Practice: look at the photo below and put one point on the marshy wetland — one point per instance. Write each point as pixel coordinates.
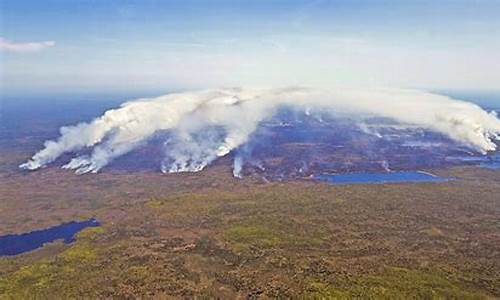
(247, 238)
(211, 235)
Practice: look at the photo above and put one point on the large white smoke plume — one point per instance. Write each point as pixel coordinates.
(205, 125)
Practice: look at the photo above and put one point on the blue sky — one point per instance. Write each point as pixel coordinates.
(54, 46)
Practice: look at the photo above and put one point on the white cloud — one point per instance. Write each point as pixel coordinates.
(6, 45)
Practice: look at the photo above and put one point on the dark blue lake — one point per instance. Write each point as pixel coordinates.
(13, 244)
(493, 162)
(486, 161)
(490, 165)
(389, 177)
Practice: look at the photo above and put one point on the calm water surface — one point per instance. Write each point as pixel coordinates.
(389, 177)
(13, 244)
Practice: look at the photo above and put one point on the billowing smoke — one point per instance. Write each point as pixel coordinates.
(238, 166)
(205, 125)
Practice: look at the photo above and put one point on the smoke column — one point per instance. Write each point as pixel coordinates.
(204, 125)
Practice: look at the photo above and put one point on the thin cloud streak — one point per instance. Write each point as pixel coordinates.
(10, 46)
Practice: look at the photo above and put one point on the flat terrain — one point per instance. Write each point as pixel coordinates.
(210, 235)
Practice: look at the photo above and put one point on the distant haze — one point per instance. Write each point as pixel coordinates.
(78, 46)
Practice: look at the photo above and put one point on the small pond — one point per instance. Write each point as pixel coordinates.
(13, 244)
